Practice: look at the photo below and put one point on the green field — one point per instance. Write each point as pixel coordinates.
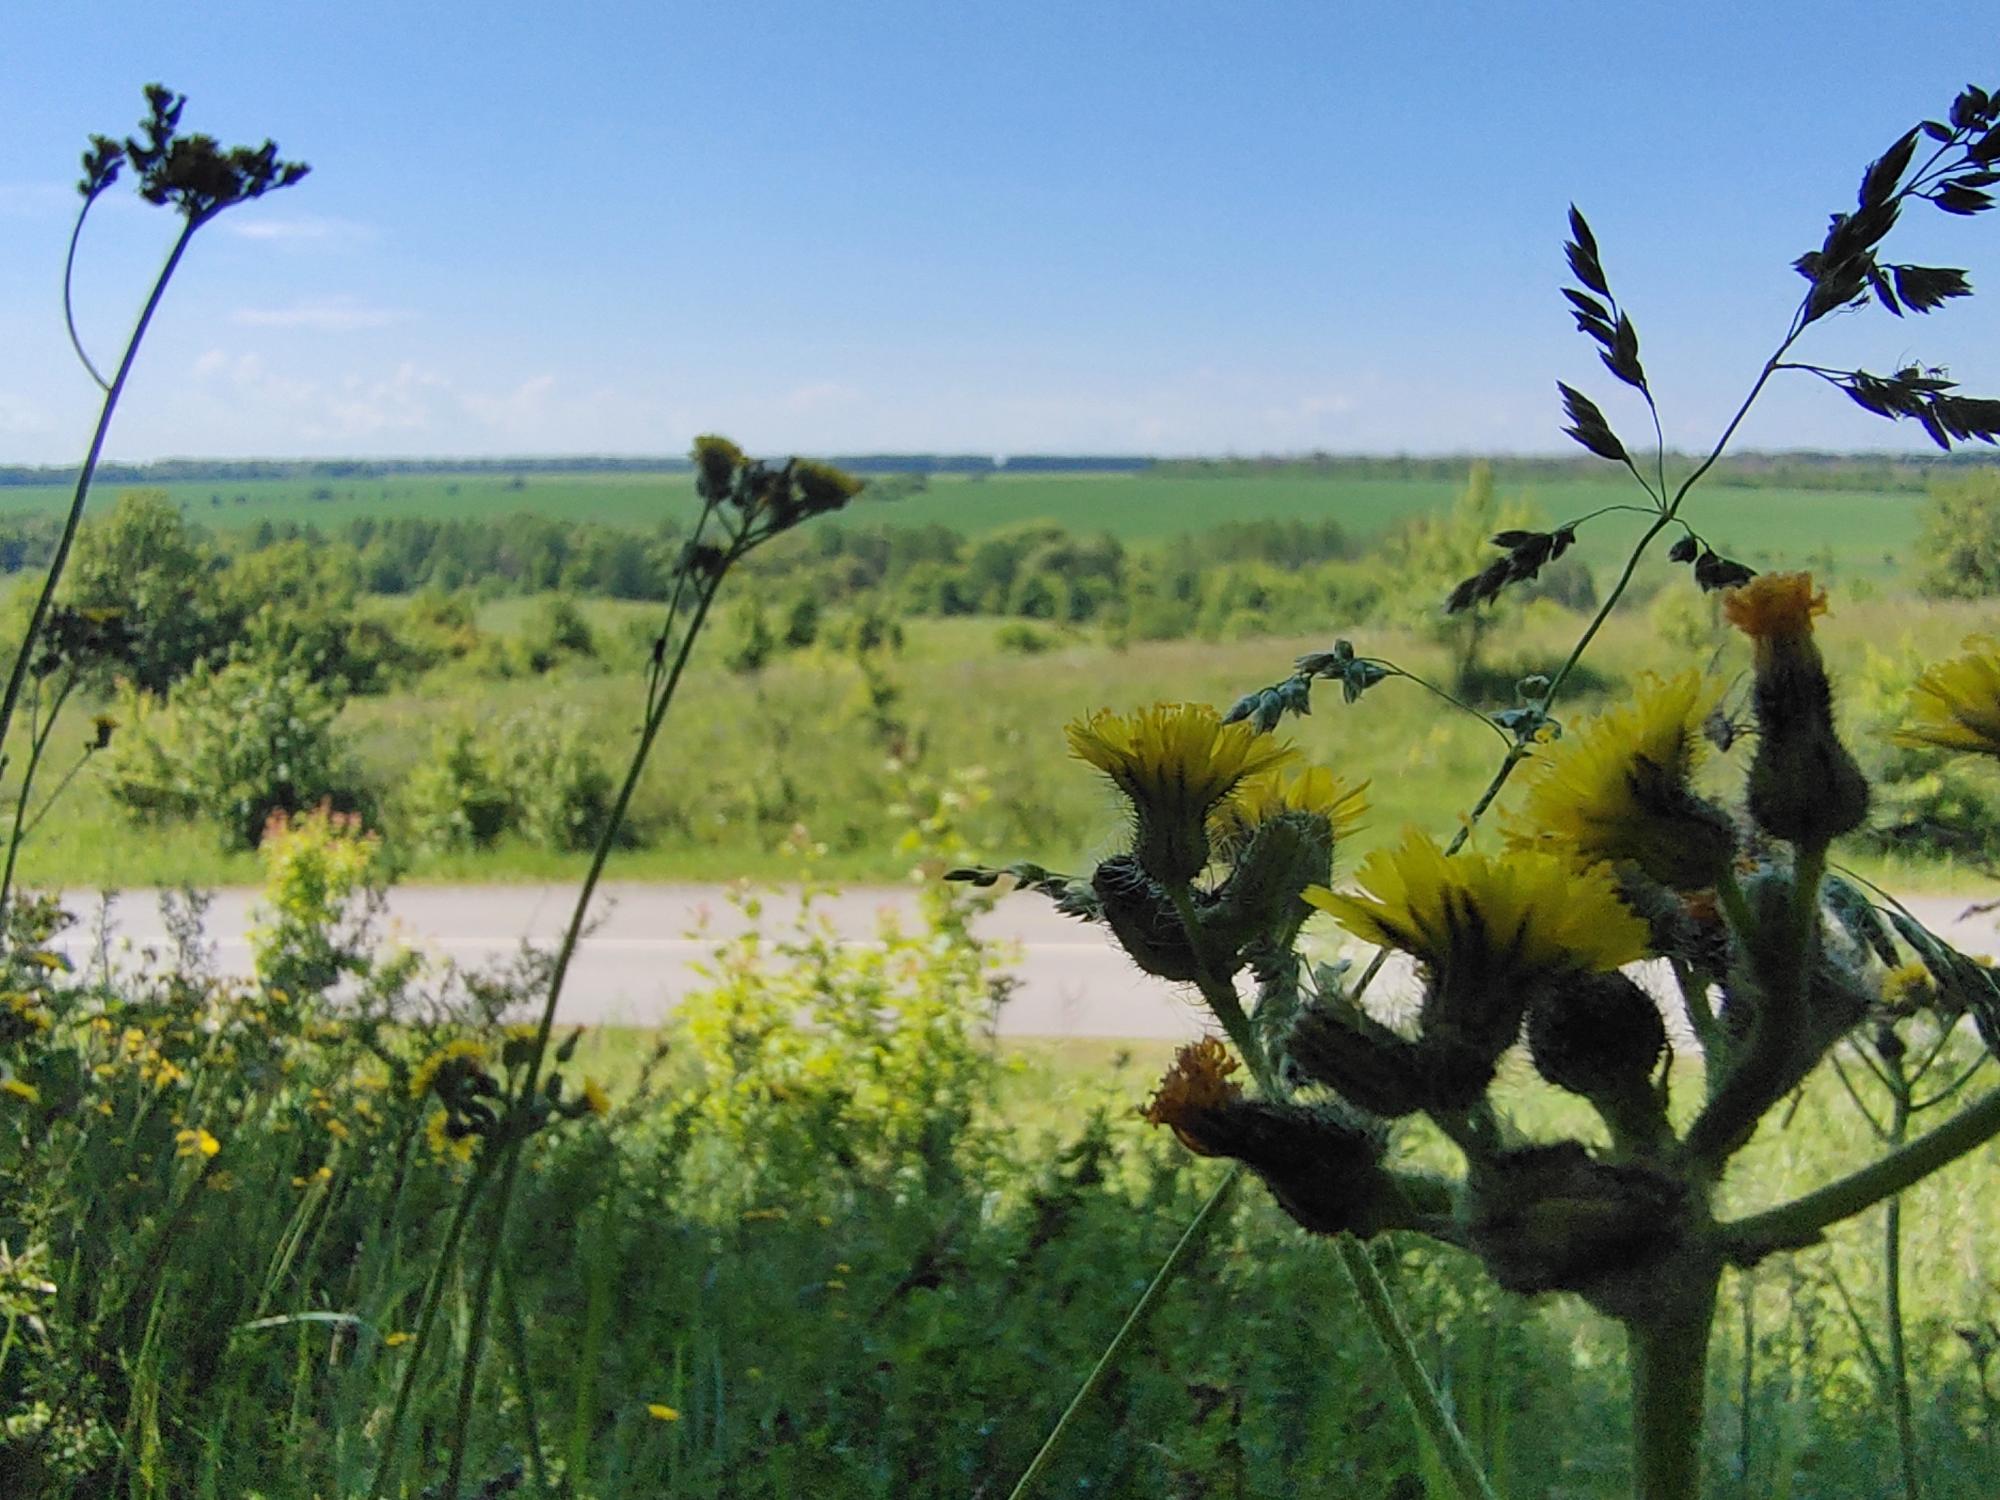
(745, 759)
(1862, 533)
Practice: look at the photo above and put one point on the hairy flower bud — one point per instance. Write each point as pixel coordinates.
(1804, 786)
(1363, 1061)
(1598, 1035)
(1143, 920)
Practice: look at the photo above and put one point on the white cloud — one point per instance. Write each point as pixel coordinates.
(37, 200)
(303, 229)
(18, 417)
(329, 315)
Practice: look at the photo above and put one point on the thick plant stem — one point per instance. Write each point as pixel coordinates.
(1425, 1404)
(1800, 1223)
(1668, 1356)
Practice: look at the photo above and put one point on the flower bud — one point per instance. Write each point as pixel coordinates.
(1143, 920)
(1552, 1218)
(1598, 1035)
(1363, 1061)
(1804, 786)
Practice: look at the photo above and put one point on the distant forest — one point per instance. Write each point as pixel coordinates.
(1800, 470)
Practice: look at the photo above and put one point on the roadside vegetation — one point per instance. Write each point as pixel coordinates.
(358, 1223)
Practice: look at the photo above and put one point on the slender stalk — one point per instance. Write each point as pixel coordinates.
(1669, 1360)
(1169, 1269)
(510, 1163)
(18, 676)
(1892, 1295)
(1747, 1386)
(426, 1321)
(1425, 1404)
(39, 737)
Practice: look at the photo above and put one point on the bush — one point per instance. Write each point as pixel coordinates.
(244, 741)
(562, 792)
(1958, 554)
(456, 799)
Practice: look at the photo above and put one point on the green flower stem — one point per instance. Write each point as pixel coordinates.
(385, 1460)
(1801, 1222)
(10, 701)
(1669, 1361)
(1430, 1410)
(38, 737)
(1169, 1269)
(1425, 1404)
(509, 1171)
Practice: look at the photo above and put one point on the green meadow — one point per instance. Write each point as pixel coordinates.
(1864, 533)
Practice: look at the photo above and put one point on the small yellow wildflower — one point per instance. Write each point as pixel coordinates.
(1510, 918)
(1956, 704)
(1618, 789)
(1175, 762)
(659, 1411)
(444, 1145)
(195, 1142)
(23, 1091)
(461, 1056)
(397, 1339)
(594, 1098)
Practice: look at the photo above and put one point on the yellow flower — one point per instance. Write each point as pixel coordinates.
(594, 1098)
(1956, 704)
(1774, 608)
(24, 1091)
(1314, 790)
(1906, 982)
(1175, 762)
(659, 1411)
(461, 1056)
(195, 1142)
(1509, 918)
(397, 1339)
(444, 1145)
(1618, 789)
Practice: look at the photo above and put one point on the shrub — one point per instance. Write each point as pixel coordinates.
(457, 799)
(1958, 554)
(243, 741)
(561, 790)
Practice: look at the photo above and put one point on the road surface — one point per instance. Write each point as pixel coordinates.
(639, 960)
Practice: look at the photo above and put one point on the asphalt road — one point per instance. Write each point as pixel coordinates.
(639, 960)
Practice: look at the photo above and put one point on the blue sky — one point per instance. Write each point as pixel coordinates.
(1073, 227)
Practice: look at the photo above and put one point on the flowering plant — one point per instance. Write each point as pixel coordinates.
(1616, 854)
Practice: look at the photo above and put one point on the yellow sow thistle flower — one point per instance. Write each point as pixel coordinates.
(1313, 790)
(1506, 919)
(1956, 704)
(463, 1055)
(1618, 790)
(594, 1098)
(1175, 763)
